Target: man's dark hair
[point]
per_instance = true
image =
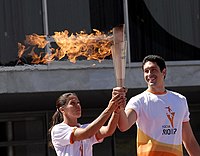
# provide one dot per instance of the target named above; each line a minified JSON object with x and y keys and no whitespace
{"x":154,"y":58}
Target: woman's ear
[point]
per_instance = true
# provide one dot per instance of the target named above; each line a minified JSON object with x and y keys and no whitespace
{"x":61,"y":109}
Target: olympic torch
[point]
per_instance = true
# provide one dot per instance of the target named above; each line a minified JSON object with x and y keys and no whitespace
{"x":119,"y":54}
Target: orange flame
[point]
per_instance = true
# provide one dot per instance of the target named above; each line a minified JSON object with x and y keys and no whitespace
{"x":21,"y":49}
{"x":94,"y":46}
{"x":37,"y":40}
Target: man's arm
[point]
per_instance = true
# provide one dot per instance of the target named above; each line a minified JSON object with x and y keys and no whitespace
{"x":126,"y":119}
{"x":189,"y":140}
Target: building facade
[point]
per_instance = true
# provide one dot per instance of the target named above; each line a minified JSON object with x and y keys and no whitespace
{"x":28,"y":92}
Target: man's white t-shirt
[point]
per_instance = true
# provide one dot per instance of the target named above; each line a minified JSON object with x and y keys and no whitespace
{"x":159,"y":122}
{"x":61,"y":136}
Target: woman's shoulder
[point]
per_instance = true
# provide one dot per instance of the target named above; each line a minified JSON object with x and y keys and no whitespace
{"x":60,"y":126}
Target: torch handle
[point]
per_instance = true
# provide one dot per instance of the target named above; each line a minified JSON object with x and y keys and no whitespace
{"x":120,"y":82}
{"x":119,"y":54}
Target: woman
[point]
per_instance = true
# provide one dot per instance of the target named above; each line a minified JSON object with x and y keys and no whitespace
{"x":70,"y":138}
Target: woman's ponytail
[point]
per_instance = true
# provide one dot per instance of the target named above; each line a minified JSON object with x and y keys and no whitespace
{"x":57,"y":116}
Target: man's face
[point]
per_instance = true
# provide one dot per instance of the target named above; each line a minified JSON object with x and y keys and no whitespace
{"x":152,"y":74}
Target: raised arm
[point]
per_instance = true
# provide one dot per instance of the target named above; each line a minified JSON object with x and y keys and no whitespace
{"x":108,"y":130}
{"x":126,"y":118}
{"x":92,"y":128}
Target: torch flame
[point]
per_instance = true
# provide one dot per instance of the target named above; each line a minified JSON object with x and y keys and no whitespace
{"x":37,"y":40}
{"x":21,"y":49}
{"x":94,"y":46}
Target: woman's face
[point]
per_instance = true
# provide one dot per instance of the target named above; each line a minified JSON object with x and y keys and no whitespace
{"x":72,"y":109}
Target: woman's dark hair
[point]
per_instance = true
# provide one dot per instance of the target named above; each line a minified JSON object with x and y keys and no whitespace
{"x":57,"y":116}
{"x":155,"y":58}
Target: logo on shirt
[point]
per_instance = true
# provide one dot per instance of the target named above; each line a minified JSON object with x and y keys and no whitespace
{"x":169,"y":129}
{"x":170,"y":115}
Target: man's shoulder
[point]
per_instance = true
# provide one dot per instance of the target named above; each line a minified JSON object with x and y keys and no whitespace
{"x":139,"y":96}
{"x":176,"y":94}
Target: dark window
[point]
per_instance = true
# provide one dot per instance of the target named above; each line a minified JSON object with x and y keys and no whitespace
{"x":23,"y":134}
{"x":18,"y":18}
{"x":148,"y":37}
{"x":106,"y":14}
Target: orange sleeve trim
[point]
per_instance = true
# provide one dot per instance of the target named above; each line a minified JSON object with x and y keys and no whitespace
{"x":72,"y":136}
{"x":97,"y":137}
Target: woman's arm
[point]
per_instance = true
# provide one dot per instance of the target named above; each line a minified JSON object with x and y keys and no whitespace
{"x":92,"y":128}
{"x":108,"y":130}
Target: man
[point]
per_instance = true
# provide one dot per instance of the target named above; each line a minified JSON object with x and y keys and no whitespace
{"x":161,"y":116}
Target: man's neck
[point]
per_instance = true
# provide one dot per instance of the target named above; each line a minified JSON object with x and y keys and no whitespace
{"x":156,"y":90}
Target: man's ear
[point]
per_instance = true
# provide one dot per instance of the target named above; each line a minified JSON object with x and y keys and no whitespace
{"x":164,"y":72}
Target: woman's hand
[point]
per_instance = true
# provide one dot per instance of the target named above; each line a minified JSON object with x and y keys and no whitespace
{"x":121,"y":91}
